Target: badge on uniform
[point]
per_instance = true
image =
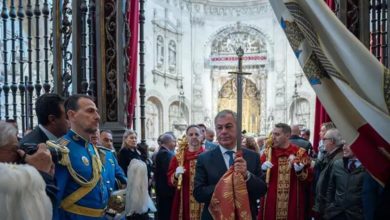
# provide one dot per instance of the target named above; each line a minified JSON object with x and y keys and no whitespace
{"x":85,"y":160}
{"x":112,"y":162}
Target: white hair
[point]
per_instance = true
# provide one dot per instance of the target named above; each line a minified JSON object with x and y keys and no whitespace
{"x":137,"y":197}
{"x":22,"y":193}
{"x":7,"y":130}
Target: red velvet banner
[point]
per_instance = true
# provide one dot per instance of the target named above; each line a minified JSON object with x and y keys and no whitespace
{"x":132,"y":51}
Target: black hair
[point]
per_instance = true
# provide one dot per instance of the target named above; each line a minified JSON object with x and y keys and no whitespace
{"x":193,"y":126}
{"x":48,"y":104}
{"x":71,"y":103}
{"x":107,"y":131}
{"x":285,"y":127}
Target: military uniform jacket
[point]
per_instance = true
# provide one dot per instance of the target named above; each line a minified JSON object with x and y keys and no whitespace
{"x":82,"y":158}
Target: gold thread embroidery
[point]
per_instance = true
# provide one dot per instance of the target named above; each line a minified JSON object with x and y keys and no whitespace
{"x":283,"y":189}
{"x":195,"y":207}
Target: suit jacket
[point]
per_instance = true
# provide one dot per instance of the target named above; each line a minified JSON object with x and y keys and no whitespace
{"x":163,"y":158}
{"x":36,"y":136}
{"x":210,"y":167}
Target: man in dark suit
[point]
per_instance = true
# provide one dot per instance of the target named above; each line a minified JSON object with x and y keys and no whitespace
{"x":52,"y":123}
{"x":213,"y":164}
{"x":164,"y":192}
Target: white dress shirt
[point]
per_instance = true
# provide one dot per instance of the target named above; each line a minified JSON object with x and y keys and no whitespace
{"x":226,"y":156}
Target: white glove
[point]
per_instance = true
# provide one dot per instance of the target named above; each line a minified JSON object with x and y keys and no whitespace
{"x":266,"y":165}
{"x":298,"y":167}
{"x":179,"y":170}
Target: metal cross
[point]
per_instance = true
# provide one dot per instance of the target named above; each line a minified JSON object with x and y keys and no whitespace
{"x":239,"y":73}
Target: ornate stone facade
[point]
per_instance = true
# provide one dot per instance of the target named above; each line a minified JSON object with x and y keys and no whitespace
{"x":190,"y":48}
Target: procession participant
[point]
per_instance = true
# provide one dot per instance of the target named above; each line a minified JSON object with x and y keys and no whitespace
{"x":181,"y":175}
{"x":82,"y":193}
{"x":212,"y":165}
{"x":289,"y":173}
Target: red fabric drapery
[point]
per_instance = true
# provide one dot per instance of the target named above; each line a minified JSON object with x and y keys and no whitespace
{"x":132,"y":50}
{"x":321,"y":116}
{"x":331,"y":4}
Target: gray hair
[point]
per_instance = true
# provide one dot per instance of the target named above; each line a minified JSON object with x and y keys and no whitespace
{"x":224,"y":113}
{"x":335,"y":134}
{"x":7,"y":130}
{"x":165,"y":138}
{"x":23,"y":185}
{"x":126,"y":134}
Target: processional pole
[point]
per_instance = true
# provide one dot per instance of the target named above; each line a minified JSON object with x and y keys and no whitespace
{"x":239,"y":79}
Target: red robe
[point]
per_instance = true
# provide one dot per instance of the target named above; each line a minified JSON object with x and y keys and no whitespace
{"x":184,"y":205}
{"x":285,"y":198}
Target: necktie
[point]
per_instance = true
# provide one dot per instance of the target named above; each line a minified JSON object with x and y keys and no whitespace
{"x":352,"y":166}
{"x":230,"y":154}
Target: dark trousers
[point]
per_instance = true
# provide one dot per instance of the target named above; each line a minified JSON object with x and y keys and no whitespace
{"x":164,"y":206}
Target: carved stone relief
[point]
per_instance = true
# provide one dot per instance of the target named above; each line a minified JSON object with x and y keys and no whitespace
{"x":300,"y":112}
{"x":178,"y":118}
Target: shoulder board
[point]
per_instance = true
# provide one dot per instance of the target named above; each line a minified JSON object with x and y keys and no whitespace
{"x":62,"y":141}
{"x":103,"y":148}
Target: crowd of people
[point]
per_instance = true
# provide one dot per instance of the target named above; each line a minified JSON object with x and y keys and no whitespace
{"x":67,"y":168}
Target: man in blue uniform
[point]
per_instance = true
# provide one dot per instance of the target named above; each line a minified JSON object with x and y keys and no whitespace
{"x":113,"y":174}
{"x":83,"y":192}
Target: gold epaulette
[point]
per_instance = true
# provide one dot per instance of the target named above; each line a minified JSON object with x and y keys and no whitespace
{"x":60,"y":146}
{"x":63,"y":142}
{"x":99,"y":147}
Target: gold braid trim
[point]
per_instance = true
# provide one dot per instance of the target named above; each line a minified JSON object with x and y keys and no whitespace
{"x":195,"y":207}
{"x":65,"y":161}
{"x":283,"y":188}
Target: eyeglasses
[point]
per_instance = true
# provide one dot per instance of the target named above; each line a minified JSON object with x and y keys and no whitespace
{"x":327,"y":138}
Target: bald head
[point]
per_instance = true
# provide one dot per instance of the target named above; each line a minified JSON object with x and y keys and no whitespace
{"x":295,"y":130}
{"x":210,"y":134}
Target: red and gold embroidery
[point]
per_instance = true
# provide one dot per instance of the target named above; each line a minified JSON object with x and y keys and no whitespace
{"x":283,"y":188}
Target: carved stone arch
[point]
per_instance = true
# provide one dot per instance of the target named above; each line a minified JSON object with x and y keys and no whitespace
{"x":299,"y":112}
{"x":154,"y":118}
{"x":238,"y":27}
{"x":258,"y":48}
{"x":227,"y":99}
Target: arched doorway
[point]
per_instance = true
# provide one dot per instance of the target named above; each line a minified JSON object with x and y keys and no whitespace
{"x":227,"y":99}
{"x":223,"y":59}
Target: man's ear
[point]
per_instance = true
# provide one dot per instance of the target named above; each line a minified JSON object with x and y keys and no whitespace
{"x":70,"y":114}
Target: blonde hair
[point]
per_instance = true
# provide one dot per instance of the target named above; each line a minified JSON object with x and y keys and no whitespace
{"x":137,"y":196}
{"x":22,"y":186}
{"x":127,"y":134}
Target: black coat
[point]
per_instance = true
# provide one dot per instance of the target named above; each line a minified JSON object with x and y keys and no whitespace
{"x":210,"y":167}
{"x":164,"y":192}
{"x":125,"y":156}
{"x":344,"y":194}
{"x":36,"y":136}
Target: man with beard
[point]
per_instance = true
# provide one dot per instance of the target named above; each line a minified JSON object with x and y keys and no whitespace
{"x":82,"y":192}
{"x":184,"y":205}
{"x":290,"y":173}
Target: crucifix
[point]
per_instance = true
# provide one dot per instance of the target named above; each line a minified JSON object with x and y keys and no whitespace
{"x":239,"y":78}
